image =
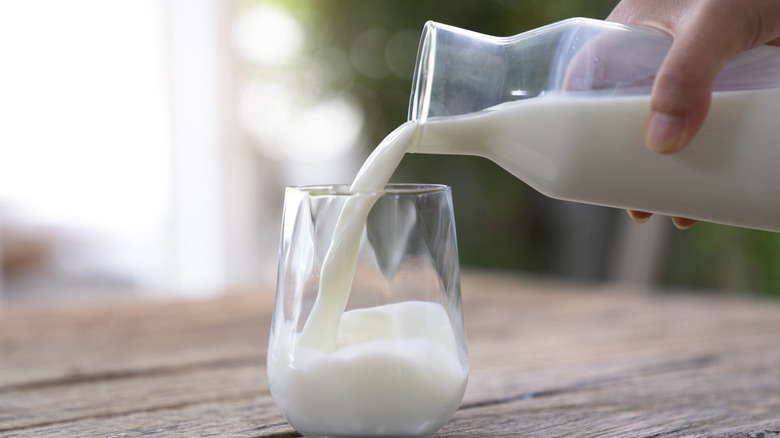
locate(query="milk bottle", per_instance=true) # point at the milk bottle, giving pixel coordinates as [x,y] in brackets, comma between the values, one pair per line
[563,108]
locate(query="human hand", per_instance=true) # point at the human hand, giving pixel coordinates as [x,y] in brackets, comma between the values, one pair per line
[707,34]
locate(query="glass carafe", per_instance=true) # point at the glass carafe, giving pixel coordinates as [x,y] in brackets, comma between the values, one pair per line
[564,108]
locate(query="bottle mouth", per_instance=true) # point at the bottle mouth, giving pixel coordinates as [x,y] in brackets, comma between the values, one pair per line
[420,100]
[457,71]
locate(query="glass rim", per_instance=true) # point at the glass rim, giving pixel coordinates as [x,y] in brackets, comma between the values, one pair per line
[389,189]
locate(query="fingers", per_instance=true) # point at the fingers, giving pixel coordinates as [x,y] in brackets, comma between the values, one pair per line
[707,34]
[681,223]
[639,217]
[705,41]
[669,128]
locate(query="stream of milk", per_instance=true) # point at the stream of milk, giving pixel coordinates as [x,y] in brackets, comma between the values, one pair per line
[339,265]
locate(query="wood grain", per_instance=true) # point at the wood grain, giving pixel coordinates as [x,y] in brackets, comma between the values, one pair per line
[547,360]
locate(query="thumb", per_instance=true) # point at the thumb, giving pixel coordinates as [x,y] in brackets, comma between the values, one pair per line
[683,87]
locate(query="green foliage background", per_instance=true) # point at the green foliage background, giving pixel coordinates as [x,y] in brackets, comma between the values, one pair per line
[501,222]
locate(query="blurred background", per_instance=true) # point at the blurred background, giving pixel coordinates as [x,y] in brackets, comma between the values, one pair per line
[145,145]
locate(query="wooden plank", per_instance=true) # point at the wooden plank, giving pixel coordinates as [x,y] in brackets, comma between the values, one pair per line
[64,367]
[590,363]
[73,343]
[116,396]
[547,360]
[251,417]
[718,396]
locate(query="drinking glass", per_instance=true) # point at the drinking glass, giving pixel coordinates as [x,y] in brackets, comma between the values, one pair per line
[385,356]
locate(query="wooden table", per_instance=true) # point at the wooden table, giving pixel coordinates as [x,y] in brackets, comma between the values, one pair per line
[546,360]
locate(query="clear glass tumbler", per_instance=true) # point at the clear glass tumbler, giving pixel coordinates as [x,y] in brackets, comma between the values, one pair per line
[386,356]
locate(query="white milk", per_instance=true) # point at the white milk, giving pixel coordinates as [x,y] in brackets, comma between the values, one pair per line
[591,150]
[395,371]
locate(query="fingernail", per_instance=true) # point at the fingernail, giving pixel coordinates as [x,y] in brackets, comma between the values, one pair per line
[664,132]
[683,223]
[639,217]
